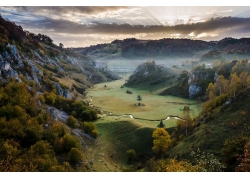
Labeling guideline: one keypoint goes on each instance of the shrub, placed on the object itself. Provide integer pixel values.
(75, 155)
(131, 155)
(94, 133)
(71, 121)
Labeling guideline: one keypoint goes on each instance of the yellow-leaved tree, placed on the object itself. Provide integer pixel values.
(162, 141)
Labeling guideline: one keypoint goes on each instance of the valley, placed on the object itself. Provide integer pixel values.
(132, 105)
(115, 100)
(123, 126)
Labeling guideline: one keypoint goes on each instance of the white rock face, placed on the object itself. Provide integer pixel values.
(15, 56)
(10, 61)
(193, 90)
(215, 76)
(62, 91)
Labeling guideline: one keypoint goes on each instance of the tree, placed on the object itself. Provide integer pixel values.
(235, 84)
(244, 166)
(161, 125)
(210, 92)
(61, 45)
(233, 147)
(94, 133)
(243, 78)
(131, 154)
(248, 80)
(75, 155)
(161, 141)
(221, 85)
(88, 127)
(70, 142)
(42, 156)
(216, 63)
(181, 166)
(71, 121)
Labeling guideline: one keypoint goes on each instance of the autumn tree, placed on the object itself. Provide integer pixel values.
(244, 165)
(70, 141)
(181, 166)
(94, 133)
(235, 84)
(71, 121)
(210, 92)
(41, 156)
(221, 85)
(75, 155)
(233, 147)
(162, 141)
(243, 78)
(248, 80)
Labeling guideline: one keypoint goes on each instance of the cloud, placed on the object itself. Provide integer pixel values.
(66, 26)
(68, 9)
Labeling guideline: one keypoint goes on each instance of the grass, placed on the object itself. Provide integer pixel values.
(114, 99)
(120, 133)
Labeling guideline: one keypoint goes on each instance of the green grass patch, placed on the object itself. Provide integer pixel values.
(114, 99)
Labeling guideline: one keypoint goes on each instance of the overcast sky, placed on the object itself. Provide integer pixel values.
(81, 26)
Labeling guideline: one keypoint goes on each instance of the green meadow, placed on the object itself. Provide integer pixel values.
(110, 97)
(119, 132)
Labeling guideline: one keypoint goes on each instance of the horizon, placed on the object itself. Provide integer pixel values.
(84, 26)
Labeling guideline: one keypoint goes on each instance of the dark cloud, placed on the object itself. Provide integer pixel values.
(68, 9)
(65, 26)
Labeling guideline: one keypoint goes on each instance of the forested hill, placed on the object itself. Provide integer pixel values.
(135, 48)
(43, 116)
(169, 48)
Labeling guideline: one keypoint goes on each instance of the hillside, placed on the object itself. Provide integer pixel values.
(151, 74)
(168, 49)
(35, 57)
(140, 49)
(223, 134)
(44, 120)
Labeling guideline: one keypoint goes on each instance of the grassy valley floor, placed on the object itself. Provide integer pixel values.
(123, 126)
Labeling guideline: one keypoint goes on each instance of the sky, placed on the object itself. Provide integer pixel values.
(81, 25)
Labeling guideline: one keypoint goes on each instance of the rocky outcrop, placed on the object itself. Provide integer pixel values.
(193, 90)
(11, 55)
(10, 61)
(34, 71)
(62, 92)
(198, 80)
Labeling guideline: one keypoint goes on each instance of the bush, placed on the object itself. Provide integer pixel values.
(131, 155)
(88, 127)
(94, 133)
(75, 155)
(72, 122)
(70, 142)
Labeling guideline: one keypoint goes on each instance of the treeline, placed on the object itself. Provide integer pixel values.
(133, 48)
